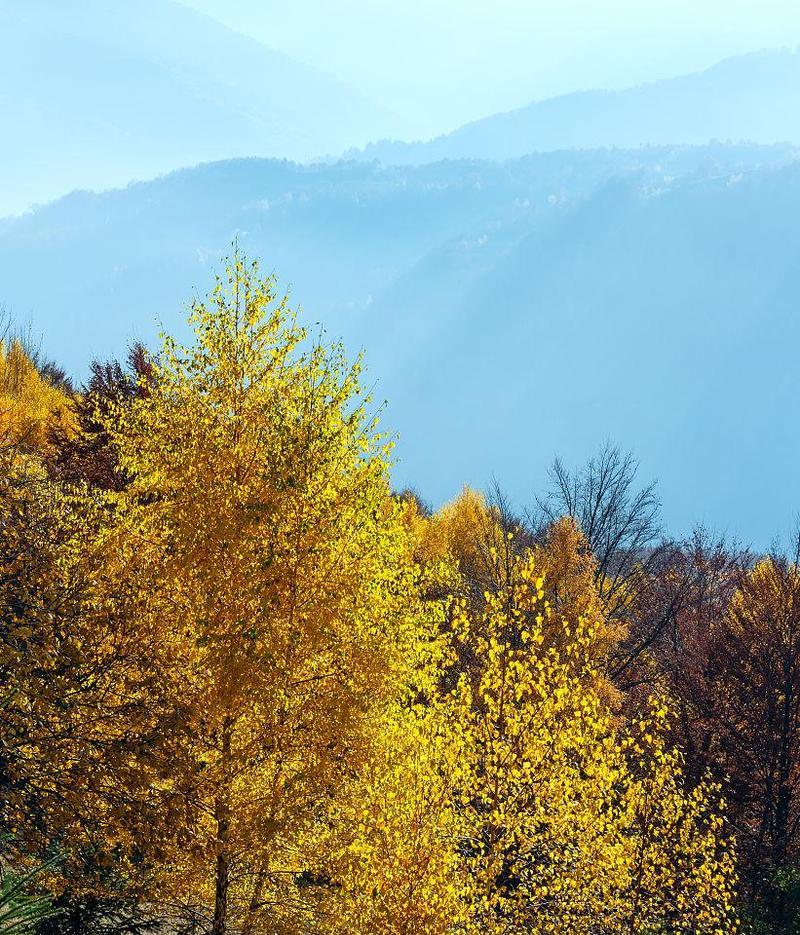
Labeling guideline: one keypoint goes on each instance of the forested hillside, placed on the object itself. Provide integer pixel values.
(250, 688)
(660, 281)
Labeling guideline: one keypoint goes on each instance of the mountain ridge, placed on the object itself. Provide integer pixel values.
(715, 104)
(177, 89)
(509, 310)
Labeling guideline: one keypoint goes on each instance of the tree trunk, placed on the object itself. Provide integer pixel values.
(221, 893)
(223, 868)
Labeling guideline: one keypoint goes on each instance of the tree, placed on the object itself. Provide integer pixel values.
(471, 531)
(258, 554)
(57, 732)
(739, 689)
(483, 542)
(81, 451)
(517, 802)
(32, 405)
(77, 697)
(573, 824)
(389, 855)
(642, 578)
(393, 860)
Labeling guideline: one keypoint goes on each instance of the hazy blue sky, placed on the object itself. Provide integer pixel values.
(443, 62)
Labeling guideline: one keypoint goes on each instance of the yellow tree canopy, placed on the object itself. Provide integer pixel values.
(522, 803)
(574, 825)
(30, 406)
(567, 567)
(259, 555)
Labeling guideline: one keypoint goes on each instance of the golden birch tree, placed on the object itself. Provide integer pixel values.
(259, 556)
(572, 823)
(541, 813)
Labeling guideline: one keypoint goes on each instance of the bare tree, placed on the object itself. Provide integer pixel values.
(643, 577)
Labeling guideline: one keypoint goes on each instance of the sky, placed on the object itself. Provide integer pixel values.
(441, 63)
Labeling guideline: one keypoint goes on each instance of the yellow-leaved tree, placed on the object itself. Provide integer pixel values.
(75, 692)
(391, 850)
(258, 554)
(518, 803)
(572, 823)
(389, 845)
(473, 535)
(31, 406)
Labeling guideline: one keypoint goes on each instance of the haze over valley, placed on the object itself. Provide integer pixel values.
(603, 264)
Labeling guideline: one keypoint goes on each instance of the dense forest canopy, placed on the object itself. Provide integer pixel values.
(249, 688)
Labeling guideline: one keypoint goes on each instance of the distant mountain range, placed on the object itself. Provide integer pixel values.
(94, 93)
(753, 98)
(509, 310)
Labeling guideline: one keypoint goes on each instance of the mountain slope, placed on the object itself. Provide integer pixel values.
(508, 311)
(668, 323)
(96, 92)
(752, 97)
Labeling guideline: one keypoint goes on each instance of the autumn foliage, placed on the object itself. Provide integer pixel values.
(249, 689)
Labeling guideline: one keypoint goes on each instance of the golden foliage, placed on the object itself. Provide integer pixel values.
(30, 406)
(395, 862)
(74, 685)
(567, 567)
(281, 700)
(463, 530)
(258, 554)
(573, 824)
(527, 807)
